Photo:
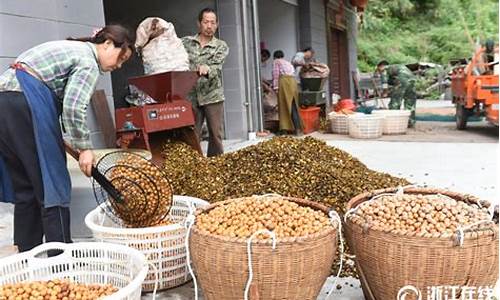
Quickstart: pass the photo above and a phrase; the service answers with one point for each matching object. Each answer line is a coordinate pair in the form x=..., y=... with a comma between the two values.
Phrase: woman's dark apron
x=45, y=111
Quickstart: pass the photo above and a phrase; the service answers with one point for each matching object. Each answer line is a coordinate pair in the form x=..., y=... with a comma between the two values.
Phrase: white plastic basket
x=86, y=263
x=163, y=246
x=395, y=121
x=340, y=122
x=365, y=126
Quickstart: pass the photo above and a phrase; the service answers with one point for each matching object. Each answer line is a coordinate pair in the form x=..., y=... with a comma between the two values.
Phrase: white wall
x=26, y=23
x=278, y=22
x=318, y=31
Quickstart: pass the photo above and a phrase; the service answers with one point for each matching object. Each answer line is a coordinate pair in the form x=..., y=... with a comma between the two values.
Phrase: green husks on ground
x=305, y=168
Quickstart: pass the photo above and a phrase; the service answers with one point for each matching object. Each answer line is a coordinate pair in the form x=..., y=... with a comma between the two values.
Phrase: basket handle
x=33, y=253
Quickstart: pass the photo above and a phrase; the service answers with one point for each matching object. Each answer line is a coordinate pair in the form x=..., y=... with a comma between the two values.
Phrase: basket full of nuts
x=291, y=261
x=421, y=237
x=73, y=271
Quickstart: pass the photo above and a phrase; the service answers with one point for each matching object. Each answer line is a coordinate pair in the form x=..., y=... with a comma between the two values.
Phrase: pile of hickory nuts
x=426, y=214
x=54, y=290
x=242, y=218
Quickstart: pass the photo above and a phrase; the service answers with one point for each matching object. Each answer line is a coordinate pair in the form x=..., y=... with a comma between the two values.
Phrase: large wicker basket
x=387, y=262
x=296, y=269
x=163, y=246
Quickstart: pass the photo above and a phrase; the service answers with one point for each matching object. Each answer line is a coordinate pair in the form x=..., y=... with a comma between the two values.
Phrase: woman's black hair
x=308, y=49
x=118, y=34
x=206, y=10
x=265, y=52
x=278, y=54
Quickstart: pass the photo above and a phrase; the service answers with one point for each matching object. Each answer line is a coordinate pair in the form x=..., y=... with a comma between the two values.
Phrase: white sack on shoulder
x=160, y=48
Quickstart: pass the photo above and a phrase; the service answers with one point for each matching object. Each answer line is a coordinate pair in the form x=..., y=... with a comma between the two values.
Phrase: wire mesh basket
x=145, y=190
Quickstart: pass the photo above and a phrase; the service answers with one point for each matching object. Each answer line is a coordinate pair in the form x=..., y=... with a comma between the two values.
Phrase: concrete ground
x=433, y=153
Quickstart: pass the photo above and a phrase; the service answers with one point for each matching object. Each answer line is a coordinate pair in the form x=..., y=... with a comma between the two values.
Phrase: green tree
x=408, y=31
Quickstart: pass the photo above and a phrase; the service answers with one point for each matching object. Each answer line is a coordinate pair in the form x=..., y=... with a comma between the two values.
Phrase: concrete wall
x=236, y=78
x=279, y=23
x=25, y=23
x=313, y=31
x=313, y=27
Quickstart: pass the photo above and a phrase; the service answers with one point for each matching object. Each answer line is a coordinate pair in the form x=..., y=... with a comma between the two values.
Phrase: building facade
x=329, y=26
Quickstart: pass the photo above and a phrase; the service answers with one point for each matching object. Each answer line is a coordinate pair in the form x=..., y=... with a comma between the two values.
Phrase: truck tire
x=462, y=115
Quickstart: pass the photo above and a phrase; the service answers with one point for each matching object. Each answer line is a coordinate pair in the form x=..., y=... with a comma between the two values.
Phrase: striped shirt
x=281, y=67
x=70, y=69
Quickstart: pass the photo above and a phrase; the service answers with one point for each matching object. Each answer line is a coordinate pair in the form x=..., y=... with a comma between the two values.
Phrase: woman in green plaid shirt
x=47, y=82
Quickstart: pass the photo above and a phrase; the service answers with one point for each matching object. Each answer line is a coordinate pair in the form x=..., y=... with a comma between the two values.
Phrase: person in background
x=50, y=81
x=206, y=56
x=381, y=73
x=302, y=58
x=381, y=70
x=288, y=96
x=269, y=97
x=487, y=58
x=266, y=70
x=402, y=81
x=266, y=66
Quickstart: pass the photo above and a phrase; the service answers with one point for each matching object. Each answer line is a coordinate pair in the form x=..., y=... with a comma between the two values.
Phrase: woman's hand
x=86, y=161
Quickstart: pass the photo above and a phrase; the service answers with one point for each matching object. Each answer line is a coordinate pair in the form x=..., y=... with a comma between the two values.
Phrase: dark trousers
x=296, y=118
x=32, y=220
x=214, y=114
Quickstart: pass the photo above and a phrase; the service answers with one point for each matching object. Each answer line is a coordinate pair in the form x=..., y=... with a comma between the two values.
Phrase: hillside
x=409, y=31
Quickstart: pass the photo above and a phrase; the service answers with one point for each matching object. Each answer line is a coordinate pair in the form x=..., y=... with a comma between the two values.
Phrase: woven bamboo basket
x=387, y=262
x=296, y=269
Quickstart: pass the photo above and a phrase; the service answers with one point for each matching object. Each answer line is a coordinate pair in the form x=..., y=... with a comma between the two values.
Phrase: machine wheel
x=462, y=115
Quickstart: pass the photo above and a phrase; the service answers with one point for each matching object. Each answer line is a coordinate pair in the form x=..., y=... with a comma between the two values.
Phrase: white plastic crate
x=395, y=121
x=163, y=246
x=340, y=122
x=365, y=126
x=86, y=263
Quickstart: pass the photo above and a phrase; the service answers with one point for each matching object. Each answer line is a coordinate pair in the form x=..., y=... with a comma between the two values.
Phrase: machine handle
x=98, y=176
x=71, y=151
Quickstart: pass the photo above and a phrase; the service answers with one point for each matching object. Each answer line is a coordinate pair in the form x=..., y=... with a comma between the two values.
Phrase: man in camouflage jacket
x=206, y=56
x=402, y=81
